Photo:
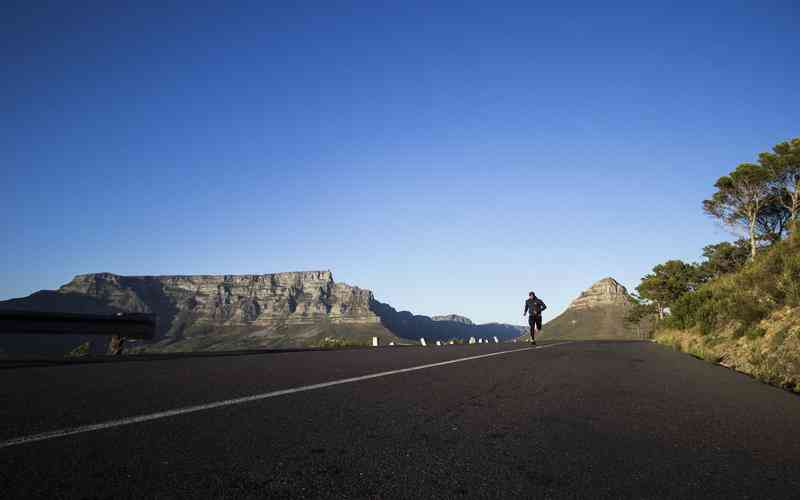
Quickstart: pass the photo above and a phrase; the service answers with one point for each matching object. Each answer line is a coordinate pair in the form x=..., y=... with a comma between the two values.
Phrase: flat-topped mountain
x=453, y=317
x=226, y=312
x=597, y=313
x=251, y=299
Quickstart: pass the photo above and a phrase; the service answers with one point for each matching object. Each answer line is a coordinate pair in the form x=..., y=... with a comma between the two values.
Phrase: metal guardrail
x=128, y=325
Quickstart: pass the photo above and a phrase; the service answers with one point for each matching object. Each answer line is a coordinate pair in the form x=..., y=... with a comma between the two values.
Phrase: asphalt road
x=576, y=420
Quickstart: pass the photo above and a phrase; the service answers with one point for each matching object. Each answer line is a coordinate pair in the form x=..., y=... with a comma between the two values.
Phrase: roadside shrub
x=741, y=299
x=340, y=343
x=740, y=306
x=779, y=338
x=669, y=339
x=790, y=279
x=755, y=333
x=697, y=346
x=694, y=309
x=758, y=305
x=81, y=350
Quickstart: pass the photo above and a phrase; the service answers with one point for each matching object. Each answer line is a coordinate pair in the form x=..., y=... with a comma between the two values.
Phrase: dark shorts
x=535, y=321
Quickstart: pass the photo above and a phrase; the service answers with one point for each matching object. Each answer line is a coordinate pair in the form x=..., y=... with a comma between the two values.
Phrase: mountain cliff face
x=606, y=292
x=597, y=313
x=199, y=313
x=224, y=312
x=245, y=300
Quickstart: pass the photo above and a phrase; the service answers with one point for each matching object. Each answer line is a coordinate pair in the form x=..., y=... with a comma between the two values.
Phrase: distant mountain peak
x=453, y=317
x=597, y=313
x=607, y=291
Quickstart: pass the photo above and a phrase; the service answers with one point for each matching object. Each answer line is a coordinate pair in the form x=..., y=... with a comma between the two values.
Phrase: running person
x=534, y=307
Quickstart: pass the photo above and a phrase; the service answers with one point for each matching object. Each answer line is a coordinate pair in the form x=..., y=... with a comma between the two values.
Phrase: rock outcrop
x=605, y=292
x=597, y=313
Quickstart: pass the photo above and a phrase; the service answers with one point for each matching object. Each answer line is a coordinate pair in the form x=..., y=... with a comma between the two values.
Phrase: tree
x=725, y=257
x=640, y=311
x=740, y=198
x=668, y=282
x=774, y=218
x=783, y=165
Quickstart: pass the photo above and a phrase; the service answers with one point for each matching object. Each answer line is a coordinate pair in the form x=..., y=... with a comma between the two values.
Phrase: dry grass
x=771, y=354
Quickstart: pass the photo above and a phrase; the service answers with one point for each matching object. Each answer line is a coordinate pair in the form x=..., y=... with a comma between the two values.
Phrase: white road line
x=246, y=399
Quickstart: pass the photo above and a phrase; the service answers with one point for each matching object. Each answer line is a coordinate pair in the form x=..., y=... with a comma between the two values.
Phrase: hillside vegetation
x=748, y=320
x=740, y=307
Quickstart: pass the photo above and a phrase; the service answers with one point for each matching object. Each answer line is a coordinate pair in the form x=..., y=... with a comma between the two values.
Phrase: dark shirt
x=535, y=306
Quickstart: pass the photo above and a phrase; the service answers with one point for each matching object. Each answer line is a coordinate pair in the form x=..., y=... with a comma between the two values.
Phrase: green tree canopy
x=741, y=197
x=774, y=218
x=668, y=282
x=784, y=166
x=640, y=311
x=725, y=257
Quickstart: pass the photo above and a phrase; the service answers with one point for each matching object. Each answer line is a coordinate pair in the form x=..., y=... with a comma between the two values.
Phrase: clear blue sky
x=448, y=157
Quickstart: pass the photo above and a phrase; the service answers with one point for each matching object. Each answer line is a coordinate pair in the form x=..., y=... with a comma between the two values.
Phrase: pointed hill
x=597, y=313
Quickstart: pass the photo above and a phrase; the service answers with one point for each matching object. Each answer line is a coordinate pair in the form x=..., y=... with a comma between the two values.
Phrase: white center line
x=236, y=401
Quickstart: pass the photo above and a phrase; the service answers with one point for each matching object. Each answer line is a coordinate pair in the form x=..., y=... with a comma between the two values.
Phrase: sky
x=449, y=156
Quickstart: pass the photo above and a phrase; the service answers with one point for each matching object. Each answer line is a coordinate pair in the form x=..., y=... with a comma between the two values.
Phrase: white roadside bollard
x=391, y=343
x=422, y=341
x=438, y=344
x=472, y=340
x=452, y=342
x=496, y=341
x=374, y=341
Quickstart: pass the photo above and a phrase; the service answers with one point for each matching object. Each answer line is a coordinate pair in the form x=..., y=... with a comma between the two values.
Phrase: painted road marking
x=246, y=399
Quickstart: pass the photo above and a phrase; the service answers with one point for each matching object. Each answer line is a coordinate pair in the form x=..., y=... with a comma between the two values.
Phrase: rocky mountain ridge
x=252, y=299
x=221, y=312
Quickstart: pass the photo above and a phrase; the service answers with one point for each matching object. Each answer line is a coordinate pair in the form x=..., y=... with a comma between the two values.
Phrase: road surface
x=574, y=420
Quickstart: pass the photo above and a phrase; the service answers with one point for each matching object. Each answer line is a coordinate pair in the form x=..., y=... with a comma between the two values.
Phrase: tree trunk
x=752, y=218
x=793, y=206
